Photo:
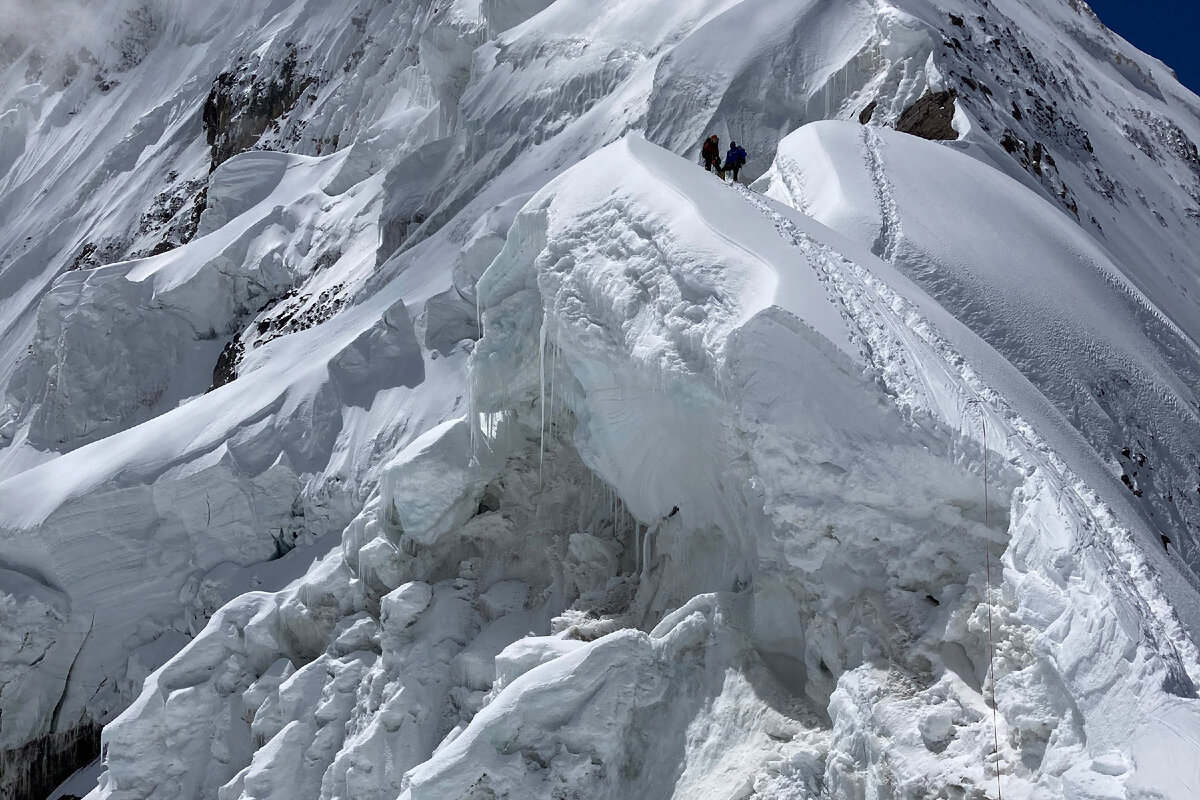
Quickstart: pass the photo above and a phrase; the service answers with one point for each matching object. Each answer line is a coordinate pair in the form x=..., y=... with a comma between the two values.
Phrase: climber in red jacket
x=711, y=152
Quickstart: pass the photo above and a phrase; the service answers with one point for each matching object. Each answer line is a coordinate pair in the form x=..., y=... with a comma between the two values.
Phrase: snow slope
x=280, y=258
x=1119, y=372
x=817, y=594
x=249, y=249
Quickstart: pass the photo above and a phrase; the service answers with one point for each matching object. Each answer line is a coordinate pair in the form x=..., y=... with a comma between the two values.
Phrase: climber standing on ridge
x=711, y=153
x=734, y=159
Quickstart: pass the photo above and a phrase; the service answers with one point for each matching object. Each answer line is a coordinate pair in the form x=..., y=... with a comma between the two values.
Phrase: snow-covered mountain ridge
x=429, y=279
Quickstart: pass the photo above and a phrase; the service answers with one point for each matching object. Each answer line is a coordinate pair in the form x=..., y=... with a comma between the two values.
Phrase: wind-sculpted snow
x=663, y=446
x=178, y=492
x=705, y=515
x=104, y=334
x=1115, y=367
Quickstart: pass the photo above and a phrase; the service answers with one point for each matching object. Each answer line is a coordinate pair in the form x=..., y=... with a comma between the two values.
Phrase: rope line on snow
x=747, y=193
x=988, y=571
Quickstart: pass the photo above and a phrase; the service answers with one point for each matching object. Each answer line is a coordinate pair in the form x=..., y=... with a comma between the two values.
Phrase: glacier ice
x=389, y=411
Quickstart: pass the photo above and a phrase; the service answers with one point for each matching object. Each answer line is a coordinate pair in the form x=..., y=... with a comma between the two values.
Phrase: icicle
x=475, y=432
x=637, y=550
x=583, y=499
x=542, y=402
x=612, y=509
x=553, y=367
x=473, y=409
x=562, y=392
x=646, y=553
x=586, y=502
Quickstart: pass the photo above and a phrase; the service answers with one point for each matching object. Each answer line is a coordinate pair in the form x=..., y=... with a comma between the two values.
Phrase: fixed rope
x=749, y=194
x=991, y=640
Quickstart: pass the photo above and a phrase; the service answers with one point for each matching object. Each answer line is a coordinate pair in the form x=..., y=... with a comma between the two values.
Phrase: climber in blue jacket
x=734, y=159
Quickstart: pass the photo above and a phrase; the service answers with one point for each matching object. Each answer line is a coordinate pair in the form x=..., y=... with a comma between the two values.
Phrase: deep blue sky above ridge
x=1166, y=29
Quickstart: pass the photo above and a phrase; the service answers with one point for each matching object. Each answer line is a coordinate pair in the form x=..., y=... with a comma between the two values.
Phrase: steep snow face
x=406, y=135
x=928, y=378
x=1035, y=287
x=211, y=356
x=780, y=586
x=280, y=79
x=163, y=487
x=536, y=518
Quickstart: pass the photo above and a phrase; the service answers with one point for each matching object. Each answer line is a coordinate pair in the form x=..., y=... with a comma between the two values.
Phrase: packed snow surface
x=392, y=408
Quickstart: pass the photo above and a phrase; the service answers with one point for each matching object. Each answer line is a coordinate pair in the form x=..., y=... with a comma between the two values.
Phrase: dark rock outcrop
x=37, y=768
x=227, y=363
x=242, y=105
x=868, y=112
x=930, y=117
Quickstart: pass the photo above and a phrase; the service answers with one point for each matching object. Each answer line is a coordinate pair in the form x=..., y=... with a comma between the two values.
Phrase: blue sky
x=1166, y=29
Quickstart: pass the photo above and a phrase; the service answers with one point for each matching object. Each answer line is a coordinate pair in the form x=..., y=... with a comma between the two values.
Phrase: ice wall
x=333, y=309
x=763, y=567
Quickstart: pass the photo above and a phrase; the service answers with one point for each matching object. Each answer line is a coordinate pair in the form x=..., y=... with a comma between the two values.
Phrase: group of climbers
x=711, y=154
